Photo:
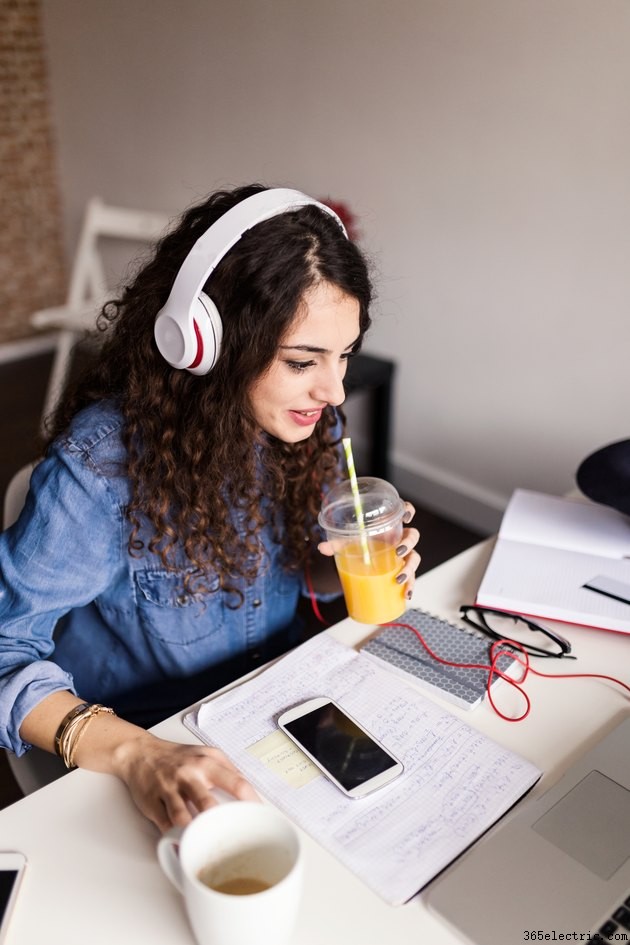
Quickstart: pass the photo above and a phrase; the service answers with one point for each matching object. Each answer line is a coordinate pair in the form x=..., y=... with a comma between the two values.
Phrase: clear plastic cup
x=365, y=539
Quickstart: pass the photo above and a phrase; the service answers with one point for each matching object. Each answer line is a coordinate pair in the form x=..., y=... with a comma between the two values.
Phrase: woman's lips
x=305, y=418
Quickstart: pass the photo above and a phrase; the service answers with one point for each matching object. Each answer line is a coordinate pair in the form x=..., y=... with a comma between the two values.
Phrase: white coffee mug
x=239, y=868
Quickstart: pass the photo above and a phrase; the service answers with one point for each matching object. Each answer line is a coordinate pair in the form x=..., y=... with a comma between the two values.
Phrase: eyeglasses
x=515, y=629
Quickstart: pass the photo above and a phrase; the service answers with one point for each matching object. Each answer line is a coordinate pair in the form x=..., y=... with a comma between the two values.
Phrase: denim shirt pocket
x=169, y=612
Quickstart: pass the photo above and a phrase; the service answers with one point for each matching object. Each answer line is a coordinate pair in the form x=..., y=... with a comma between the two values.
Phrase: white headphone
x=188, y=330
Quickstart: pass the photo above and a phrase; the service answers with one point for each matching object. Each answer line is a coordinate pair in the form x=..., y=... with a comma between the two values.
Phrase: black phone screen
x=341, y=747
x=7, y=881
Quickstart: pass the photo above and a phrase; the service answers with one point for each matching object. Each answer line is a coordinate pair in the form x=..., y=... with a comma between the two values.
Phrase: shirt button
x=255, y=656
x=256, y=603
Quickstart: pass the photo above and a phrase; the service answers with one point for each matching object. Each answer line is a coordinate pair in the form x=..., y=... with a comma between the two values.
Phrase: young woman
x=169, y=528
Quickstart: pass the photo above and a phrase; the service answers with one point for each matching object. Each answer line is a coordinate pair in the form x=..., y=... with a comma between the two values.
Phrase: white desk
x=93, y=876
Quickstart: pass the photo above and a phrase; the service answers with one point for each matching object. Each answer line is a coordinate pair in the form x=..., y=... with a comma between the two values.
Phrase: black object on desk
x=375, y=375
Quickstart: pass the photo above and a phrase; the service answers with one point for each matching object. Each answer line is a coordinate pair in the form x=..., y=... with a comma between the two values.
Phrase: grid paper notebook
x=457, y=782
x=403, y=652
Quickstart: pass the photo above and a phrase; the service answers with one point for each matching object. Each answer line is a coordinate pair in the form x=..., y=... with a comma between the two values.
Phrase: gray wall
x=484, y=145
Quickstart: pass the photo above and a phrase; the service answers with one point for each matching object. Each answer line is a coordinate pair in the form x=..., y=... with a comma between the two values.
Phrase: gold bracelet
x=65, y=721
x=76, y=729
x=72, y=732
x=72, y=729
x=96, y=709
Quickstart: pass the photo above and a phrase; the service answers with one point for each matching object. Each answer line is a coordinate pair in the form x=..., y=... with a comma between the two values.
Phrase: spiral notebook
x=403, y=652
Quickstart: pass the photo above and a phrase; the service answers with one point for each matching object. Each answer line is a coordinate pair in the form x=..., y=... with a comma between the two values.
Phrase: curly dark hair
x=195, y=453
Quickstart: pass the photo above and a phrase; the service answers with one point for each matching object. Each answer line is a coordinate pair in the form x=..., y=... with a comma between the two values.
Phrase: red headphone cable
x=507, y=648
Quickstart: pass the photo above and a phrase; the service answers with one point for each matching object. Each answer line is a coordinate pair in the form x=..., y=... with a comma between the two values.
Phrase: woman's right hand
x=170, y=782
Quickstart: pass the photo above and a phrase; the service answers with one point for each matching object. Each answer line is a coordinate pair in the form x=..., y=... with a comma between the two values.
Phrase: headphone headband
x=181, y=337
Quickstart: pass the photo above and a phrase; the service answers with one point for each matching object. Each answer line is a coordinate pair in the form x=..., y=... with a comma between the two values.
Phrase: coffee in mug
x=239, y=868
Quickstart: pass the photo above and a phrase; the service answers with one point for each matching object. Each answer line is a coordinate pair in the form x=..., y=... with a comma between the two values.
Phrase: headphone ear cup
x=209, y=334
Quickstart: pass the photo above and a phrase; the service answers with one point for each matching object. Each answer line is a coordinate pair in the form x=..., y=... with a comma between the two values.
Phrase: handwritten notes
x=284, y=758
x=456, y=782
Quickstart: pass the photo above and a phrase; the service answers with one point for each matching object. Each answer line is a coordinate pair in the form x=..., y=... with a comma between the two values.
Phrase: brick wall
x=32, y=267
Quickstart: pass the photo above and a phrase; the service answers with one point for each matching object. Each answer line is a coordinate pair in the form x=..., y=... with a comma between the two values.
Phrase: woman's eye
x=300, y=366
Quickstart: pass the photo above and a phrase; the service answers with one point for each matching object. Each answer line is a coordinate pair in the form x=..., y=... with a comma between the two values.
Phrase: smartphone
x=348, y=755
x=12, y=866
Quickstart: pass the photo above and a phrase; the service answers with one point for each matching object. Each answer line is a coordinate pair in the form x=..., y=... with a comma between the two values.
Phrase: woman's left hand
x=406, y=550
x=410, y=559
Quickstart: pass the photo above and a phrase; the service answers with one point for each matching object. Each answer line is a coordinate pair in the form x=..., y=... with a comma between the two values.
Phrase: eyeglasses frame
x=531, y=648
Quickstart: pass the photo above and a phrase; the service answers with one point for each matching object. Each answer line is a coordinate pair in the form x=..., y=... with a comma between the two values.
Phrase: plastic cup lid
x=381, y=506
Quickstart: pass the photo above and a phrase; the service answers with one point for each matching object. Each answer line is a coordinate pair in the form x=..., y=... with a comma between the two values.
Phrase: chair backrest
x=88, y=289
x=87, y=279
x=16, y=494
x=36, y=768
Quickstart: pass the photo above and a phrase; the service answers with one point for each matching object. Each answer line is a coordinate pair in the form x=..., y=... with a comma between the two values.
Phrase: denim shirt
x=122, y=629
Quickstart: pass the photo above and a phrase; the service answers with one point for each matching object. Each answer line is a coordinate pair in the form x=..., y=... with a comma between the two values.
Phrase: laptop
x=558, y=863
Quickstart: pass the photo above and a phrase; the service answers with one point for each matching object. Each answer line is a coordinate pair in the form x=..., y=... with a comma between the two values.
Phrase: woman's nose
x=330, y=387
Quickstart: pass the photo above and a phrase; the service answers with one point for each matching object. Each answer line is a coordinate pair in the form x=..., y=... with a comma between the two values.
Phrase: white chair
x=88, y=283
x=36, y=768
x=16, y=494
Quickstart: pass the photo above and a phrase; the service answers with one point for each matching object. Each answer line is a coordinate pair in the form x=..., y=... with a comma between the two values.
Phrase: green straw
x=354, y=485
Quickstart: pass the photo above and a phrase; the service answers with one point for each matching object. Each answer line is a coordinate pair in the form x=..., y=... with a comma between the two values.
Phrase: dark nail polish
x=401, y=550
x=409, y=594
x=401, y=577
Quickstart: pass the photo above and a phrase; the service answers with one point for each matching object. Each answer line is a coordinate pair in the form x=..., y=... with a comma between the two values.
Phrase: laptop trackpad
x=591, y=823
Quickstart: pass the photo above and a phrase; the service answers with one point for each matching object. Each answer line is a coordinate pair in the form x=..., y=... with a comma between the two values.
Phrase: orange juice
x=371, y=592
